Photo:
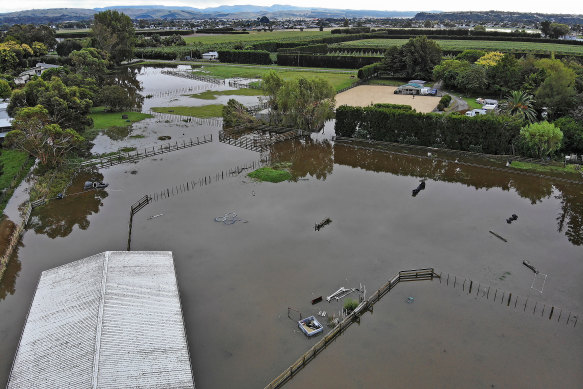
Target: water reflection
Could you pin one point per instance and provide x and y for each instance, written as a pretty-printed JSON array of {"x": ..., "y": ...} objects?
[
  {"x": 58, "y": 218},
  {"x": 127, "y": 78},
  {"x": 570, "y": 219},
  {"x": 8, "y": 283},
  {"x": 307, "y": 157}
]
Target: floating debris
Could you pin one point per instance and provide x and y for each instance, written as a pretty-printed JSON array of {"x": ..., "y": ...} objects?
[
  {"x": 155, "y": 216},
  {"x": 94, "y": 185},
  {"x": 512, "y": 218},
  {"x": 322, "y": 224},
  {"x": 230, "y": 218},
  {"x": 410, "y": 300},
  {"x": 419, "y": 188},
  {"x": 497, "y": 236},
  {"x": 340, "y": 293},
  {"x": 316, "y": 300},
  {"x": 310, "y": 326},
  {"x": 530, "y": 266}
]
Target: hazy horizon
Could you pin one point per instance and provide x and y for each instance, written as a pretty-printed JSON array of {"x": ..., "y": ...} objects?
[{"x": 420, "y": 6}]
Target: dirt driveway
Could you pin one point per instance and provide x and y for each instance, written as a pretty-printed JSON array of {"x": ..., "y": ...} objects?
[{"x": 364, "y": 95}]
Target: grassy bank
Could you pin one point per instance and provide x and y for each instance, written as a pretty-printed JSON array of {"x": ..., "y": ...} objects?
[
  {"x": 103, "y": 120},
  {"x": 204, "y": 112},
  {"x": 212, "y": 94},
  {"x": 15, "y": 165},
  {"x": 551, "y": 168}
]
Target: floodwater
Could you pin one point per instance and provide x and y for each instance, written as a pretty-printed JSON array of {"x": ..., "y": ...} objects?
[{"x": 237, "y": 281}]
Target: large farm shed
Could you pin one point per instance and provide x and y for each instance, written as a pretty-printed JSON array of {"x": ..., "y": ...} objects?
[{"x": 112, "y": 320}]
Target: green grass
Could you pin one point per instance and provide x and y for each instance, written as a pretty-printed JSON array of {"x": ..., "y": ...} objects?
[
  {"x": 472, "y": 103},
  {"x": 12, "y": 160},
  {"x": 103, "y": 120},
  {"x": 255, "y": 37},
  {"x": 545, "y": 168},
  {"x": 212, "y": 95},
  {"x": 205, "y": 111},
  {"x": 270, "y": 174},
  {"x": 504, "y": 46},
  {"x": 386, "y": 82},
  {"x": 337, "y": 79}
]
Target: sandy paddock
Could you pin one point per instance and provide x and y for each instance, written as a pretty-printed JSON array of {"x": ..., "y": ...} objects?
[{"x": 364, "y": 95}]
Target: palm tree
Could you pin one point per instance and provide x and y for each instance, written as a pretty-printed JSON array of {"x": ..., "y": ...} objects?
[{"x": 520, "y": 103}]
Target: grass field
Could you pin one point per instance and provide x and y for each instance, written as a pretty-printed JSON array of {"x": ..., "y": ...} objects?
[
  {"x": 254, "y": 37},
  {"x": 204, "y": 112},
  {"x": 212, "y": 94},
  {"x": 103, "y": 120},
  {"x": 11, "y": 162},
  {"x": 469, "y": 44},
  {"x": 338, "y": 80},
  {"x": 557, "y": 168},
  {"x": 472, "y": 103},
  {"x": 270, "y": 174}
]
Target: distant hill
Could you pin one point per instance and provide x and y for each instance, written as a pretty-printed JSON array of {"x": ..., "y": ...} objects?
[
  {"x": 498, "y": 16},
  {"x": 55, "y": 15}
]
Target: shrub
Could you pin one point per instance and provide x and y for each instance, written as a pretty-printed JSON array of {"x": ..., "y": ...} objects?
[
  {"x": 260, "y": 57},
  {"x": 350, "y": 305},
  {"x": 369, "y": 71}
]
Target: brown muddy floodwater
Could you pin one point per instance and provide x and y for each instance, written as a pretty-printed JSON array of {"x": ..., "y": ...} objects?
[{"x": 237, "y": 281}]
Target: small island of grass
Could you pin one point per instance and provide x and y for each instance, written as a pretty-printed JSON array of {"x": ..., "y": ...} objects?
[
  {"x": 554, "y": 168},
  {"x": 103, "y": 120},
  {"x": 270, "y": 174}
]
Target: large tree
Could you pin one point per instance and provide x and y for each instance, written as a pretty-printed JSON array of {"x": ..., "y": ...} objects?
[
  {"x": 65, "y": 105},
  {"x": 415, "y": 59},
  {"x": 30, "y": 33},
  {"x": 544, "y": 138},
  {"x": 114, "y": 33},
  {"x": 557, "y": 92},
  {"x": 34, "y": 133}
]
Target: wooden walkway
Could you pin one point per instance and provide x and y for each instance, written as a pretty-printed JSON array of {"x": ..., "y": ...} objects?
[
  {"x": 135, "y": 156},
  {"x": 365, "y": 306}
]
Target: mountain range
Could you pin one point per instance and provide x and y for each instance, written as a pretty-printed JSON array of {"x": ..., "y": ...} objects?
[{"x": 55, "y": 15}]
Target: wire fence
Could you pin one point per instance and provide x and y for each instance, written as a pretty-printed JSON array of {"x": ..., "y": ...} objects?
[
  {"x": 526, "y": 304},
  {"x": 175, "y": 118}
]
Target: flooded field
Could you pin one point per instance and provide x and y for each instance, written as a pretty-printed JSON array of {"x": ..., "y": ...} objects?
[{"x": 237, "y": 281}]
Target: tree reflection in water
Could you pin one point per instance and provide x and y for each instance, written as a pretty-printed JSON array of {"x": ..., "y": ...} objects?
[
  {"x": 570, "y": 220},
  {"x": 307, "y": 157},
  {"x": 59, "y": 217},
  {"x": 8, "y": 283}
]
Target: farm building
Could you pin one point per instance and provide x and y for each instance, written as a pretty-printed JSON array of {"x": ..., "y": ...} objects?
[
  {"x": 112, "y": 320},
  {"x": 409, "y": 89}
]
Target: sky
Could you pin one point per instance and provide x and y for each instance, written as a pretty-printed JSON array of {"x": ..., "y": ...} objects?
[{"x": 562, "y": 6}]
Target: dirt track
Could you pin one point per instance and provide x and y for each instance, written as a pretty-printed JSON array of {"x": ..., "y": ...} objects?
[{"x": 364, "y": 95}]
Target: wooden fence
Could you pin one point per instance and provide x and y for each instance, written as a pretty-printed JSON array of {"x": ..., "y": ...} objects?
[
  {"x": 354, "y": 316},
  {"x": 174, "y": 118},
  {"x": 218, "y": 81},
  {"x": 259, "y": 143},
  {"x": 15, "y": 238},
  {"x": 135, "y": 156}
]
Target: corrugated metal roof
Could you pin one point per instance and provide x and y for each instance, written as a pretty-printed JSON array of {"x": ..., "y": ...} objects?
[{"x": 112, "y": 320}]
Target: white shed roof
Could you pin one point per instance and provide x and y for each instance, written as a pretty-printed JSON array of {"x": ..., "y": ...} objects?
[{"x": 112, "y": 320}]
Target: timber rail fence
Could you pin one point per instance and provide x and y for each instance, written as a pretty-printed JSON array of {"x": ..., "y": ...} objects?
[
  {"x": 427, "y": 274},
  {"x": 259, "y": 144},
  {"x": 15, "y": 238},
  {"x": 135, "y": 156},
  {"x": 349, "y": 142},
  {"x": 218, "y": 81},
  {"x": 172, "y": 117}
]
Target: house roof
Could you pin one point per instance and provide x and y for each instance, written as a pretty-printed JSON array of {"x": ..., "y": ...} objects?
[{"x": 112, "y": 320}]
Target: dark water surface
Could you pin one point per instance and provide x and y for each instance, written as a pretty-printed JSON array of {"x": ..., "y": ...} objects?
[{"x": 237, "y": 281}]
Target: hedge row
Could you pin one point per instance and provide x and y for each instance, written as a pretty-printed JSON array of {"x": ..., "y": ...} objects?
[
  {"x": 168, "y": 53},
  {"x": 220, "y": 31},
  {"x": 320, "y": 48},
  {"x": 368, "y": 71},
  {"x": 394, "y": 106},
  {"x": 353, "y": 30},
  {"x": 457, "y": 32},
  {"x": 490, "y": 134},
  {"x": 260, "y": 57},
  {"x": 280, "y": 44},
  {"x": 325, "y": 61}
]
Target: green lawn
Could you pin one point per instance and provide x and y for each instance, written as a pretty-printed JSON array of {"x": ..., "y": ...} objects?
[
  {"x": 212, "y": 95},
  {"x": 205, "y": 111},
  {"x": 472, "y": 102},
  {"x": 337, "y": 79},
  {"x": 446, "y": 44},
  {"x": 103, "y": 120}
]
